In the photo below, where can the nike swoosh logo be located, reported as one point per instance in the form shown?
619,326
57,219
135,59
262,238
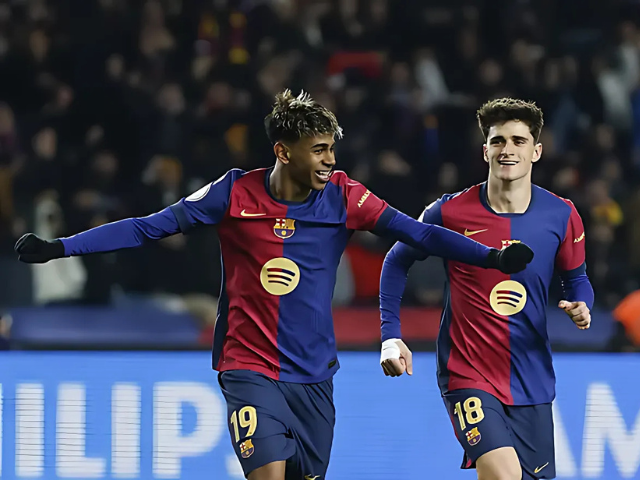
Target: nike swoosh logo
245,214
540,468
468,233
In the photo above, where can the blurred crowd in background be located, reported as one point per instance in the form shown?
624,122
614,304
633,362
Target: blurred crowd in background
117,108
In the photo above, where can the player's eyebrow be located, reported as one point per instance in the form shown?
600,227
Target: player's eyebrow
500,138
320,145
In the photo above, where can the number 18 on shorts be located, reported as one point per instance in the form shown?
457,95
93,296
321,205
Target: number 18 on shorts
482,424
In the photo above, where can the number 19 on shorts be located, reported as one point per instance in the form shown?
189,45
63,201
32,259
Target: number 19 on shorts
473,413
247,418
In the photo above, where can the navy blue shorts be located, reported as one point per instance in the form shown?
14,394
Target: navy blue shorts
482,424
271,420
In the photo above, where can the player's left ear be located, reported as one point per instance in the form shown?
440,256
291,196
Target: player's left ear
537,153
282,152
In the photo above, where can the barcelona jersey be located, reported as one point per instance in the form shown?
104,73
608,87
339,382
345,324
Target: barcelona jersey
493,334
280,261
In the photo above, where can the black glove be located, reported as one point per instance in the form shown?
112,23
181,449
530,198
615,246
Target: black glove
33,249
512,259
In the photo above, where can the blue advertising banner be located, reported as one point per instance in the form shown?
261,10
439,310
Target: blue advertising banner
161,416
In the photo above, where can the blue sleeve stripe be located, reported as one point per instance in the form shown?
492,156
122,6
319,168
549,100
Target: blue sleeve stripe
576,286
576,272
181,217
384,220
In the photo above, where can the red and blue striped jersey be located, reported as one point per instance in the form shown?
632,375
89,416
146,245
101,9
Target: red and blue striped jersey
493,334
280,261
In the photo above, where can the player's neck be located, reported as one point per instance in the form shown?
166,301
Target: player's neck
283,187
509,197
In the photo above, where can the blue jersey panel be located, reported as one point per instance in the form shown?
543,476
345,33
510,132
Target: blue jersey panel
542,227
305,328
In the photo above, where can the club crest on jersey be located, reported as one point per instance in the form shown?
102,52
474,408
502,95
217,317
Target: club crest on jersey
246,448
473,436
284,227
506,243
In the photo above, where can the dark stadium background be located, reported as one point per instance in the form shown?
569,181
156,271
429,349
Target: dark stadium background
118,108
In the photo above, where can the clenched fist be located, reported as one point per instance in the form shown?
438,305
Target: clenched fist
395,358
33,249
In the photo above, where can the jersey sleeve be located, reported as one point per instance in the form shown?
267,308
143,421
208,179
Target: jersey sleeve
363,207
395,271
432,215
571,254
127,233
208,205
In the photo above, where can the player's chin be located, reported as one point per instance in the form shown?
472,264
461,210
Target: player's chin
509,175
510,172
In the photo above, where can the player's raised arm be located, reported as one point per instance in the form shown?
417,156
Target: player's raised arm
572,267
206,206
365,211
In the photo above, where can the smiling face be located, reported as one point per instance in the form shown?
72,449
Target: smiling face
511,150
310,160
303,133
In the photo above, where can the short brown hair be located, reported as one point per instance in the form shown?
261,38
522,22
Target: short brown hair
294,117
501,110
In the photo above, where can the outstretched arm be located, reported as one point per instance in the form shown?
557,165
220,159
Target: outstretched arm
127,233
365,211
434,240
206,206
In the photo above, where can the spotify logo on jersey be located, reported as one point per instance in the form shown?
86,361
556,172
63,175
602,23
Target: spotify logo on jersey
280,276
508,298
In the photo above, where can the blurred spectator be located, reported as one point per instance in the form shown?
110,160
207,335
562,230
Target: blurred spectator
9,160
43,169
62,280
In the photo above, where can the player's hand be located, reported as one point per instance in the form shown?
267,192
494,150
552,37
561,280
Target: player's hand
395,358
578,313
33,249
512,259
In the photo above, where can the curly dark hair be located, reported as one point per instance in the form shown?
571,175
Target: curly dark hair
501,110
295,117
